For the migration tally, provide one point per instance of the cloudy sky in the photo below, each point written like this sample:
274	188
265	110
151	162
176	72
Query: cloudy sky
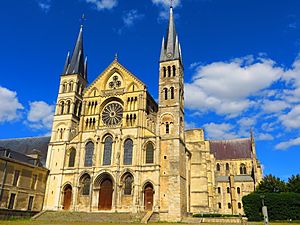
242	64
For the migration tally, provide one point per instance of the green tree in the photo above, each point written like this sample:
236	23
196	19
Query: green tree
293	185
271	184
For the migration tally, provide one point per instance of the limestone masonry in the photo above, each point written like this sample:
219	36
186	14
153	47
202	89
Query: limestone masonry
113	148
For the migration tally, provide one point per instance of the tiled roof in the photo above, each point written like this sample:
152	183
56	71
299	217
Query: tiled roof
231	149
25	146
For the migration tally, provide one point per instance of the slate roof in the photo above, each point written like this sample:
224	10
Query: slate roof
27	145
231	149
7	153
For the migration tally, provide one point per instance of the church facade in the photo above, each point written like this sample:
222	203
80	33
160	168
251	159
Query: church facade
113	148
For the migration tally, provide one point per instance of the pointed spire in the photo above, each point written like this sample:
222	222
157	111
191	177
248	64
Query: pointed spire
66	63
170	49
77	65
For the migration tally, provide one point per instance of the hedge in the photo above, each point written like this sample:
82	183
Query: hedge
214	215
281	206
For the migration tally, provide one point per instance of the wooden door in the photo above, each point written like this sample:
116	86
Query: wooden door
105	195
148	198
67	198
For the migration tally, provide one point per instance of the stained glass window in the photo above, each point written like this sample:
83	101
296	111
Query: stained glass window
89	152
86	183
128	145
149	153
128	185
72	158
107	150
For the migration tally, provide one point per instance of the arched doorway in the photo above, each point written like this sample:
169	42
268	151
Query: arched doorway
105	195
148	196
67	197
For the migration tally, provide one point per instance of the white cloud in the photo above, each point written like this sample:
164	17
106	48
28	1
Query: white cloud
189	125
274	106
247	122
40	115
103	4
265	137
219	131
45	5
166	3
130	17
164	6
291	120
10	105
287	144
226	87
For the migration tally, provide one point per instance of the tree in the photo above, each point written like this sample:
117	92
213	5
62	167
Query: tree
271	184
293	184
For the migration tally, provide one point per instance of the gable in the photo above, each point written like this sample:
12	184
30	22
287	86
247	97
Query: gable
114	78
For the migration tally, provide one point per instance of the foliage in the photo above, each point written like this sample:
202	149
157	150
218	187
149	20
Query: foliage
293	184
206	215
281	206
271	184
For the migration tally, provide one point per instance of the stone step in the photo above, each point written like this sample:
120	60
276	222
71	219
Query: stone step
90	216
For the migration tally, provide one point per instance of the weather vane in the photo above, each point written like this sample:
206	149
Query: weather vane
171	3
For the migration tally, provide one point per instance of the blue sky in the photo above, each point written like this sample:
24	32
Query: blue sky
242	64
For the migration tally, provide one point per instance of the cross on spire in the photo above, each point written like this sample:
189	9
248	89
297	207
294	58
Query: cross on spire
82	19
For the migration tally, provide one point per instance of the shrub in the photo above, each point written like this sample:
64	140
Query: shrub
281	206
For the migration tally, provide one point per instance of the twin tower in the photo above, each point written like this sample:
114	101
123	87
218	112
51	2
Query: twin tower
113	148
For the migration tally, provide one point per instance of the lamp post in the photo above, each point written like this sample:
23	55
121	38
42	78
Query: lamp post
264	210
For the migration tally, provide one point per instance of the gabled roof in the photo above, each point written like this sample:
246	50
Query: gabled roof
231	149
113	65
25	146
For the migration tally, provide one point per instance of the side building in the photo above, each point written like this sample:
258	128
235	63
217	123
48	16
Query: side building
23	181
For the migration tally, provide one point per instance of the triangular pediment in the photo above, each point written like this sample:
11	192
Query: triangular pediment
114	78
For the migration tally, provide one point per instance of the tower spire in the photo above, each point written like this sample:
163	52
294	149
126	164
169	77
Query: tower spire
77	63
171	47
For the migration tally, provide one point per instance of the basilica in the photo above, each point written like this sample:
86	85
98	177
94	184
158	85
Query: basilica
113	148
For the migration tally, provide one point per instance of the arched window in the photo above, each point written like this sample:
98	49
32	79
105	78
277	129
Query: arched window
174	71
228	190
165	72
68	106
89	152
149	153
71	86
72	157
63	88
167	128
227	166
218	167
62	108
239	205
220	205
172	92
85	184
243	169
128	185
107	150
169	71
229	205
128	145
166	93
238	190
219	190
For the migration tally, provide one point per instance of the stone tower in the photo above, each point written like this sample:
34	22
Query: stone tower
66	120
173	190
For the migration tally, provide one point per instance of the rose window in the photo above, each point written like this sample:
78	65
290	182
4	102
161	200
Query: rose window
112	114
